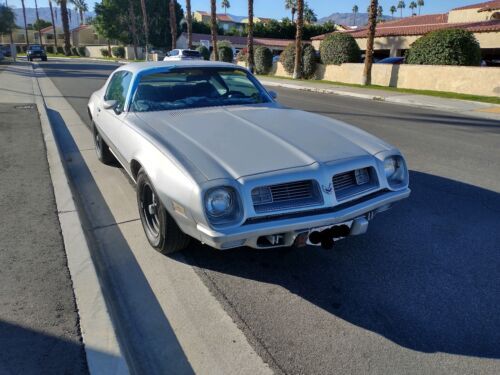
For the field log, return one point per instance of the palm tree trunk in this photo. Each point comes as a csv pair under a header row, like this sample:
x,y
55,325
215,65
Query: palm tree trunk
x,y
109,48
293,14
132,26
251,60
81,16
213,27
173,24
38,23
25,25
189,24
372,22
145,22
297,70
65,23
53,24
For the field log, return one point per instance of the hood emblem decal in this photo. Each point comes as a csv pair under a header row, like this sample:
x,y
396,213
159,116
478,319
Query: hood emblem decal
x,y
328,189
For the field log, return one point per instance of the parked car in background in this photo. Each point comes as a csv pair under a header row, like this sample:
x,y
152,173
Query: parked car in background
x,y
183,54
216,158
1,55
36,51
392,60
5,49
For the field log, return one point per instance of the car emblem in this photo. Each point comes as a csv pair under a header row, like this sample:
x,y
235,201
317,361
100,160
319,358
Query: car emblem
x,y
328,189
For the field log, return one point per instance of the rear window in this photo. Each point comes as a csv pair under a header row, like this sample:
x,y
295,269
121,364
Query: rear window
x,y
189,53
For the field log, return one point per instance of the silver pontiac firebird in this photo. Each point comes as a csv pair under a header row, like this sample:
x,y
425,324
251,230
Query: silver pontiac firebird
x,y
216,158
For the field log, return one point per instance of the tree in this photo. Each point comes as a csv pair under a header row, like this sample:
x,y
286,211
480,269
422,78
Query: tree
x,y
189,20
65,22
25,24
173,24
412,6
133,28
420,4
292,6
393,10
81,7
297,71
372,25
250,51
41,24
339,48
213,29
53,24
309,15
38,23
401,6
355,10
7,19
380,12
108,21
226,5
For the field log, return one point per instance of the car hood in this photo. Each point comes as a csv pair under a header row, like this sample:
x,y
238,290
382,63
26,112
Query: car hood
x,y
240,141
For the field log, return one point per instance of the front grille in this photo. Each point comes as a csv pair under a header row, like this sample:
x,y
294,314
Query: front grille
x,y
286,196
354,182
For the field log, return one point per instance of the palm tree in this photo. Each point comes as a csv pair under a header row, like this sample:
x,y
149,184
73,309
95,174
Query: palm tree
x,y
355,10
309,15
189,21
292,6
297,70
250,56
53,24
80,7
173,24
401,6
372,25
65,22
420,4
38,23
380,12
145,25
413,5
213,29
25,25
393,10
225,4
133,28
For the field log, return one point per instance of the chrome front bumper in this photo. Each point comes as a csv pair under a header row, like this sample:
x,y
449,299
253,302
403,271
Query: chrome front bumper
x,y
248,234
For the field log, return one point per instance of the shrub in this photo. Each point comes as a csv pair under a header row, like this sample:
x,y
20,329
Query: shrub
x,y
24,48
67,51
118,52
226,54
74,51
104,52
445,47
309,59
60,50
18,49
339,48
82,51
263,60
204,52
51,49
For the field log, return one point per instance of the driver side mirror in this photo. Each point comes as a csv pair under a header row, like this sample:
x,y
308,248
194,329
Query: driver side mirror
x,y
112,104
273,94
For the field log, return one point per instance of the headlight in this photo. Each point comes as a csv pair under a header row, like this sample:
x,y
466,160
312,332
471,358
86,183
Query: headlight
x,y
222,205
395,171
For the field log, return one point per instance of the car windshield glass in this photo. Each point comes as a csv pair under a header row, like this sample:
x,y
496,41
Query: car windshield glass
x,y
35,48
194,88
189,53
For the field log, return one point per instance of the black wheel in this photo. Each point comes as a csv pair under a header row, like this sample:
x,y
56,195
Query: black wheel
x,y
101,148
44,59
161,230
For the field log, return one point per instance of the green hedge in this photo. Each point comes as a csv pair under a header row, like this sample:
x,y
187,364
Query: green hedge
x,y
309,60
338,49
226,54
104,52
445,47
74,51
118,52
60,50
263,60
205,53
82,51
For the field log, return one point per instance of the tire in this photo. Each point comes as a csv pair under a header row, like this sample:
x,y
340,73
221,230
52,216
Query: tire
x,y
160,228
101,148
44,59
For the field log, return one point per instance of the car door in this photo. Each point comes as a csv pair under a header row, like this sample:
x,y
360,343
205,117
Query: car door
x,y
110,120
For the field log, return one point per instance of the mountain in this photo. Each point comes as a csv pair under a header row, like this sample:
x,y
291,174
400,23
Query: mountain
x,y
44,13
347,19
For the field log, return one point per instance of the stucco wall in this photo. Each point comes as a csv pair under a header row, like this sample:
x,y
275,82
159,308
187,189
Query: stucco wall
x,y
465,80
468,15
95,51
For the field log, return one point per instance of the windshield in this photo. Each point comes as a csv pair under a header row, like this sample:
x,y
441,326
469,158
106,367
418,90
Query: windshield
x,y
194,88
190,53
35,48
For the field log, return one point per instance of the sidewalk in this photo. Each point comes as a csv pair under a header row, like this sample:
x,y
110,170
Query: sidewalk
x,y
477,109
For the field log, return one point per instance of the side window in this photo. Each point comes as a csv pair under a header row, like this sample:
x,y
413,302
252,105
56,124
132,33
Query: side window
x,y
118,88
174,52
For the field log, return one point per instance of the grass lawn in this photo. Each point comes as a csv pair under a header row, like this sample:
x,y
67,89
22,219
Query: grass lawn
x,y
440,94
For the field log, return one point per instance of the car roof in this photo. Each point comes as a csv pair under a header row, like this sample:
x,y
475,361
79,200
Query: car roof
x,y
145,66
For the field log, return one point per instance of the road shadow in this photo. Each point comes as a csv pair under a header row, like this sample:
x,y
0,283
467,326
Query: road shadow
x,y
79,69
425,276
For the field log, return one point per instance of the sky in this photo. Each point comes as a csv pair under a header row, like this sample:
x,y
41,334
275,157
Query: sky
x,y
275,8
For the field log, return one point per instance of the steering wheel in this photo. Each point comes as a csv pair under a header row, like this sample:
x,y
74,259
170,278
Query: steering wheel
x,y
235,94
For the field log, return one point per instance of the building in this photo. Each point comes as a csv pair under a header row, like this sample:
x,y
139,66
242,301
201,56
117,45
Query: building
x,y
393,38
86,35
19,37
48,36
227,21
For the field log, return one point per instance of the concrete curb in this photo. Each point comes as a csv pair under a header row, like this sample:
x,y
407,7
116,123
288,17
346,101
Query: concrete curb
x,y
102,349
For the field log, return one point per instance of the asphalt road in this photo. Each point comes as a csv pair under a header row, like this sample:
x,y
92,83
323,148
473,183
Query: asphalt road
x,y
39,326
418,294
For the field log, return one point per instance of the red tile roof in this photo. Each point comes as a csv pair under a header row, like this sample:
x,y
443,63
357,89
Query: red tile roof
x,y
420,25
224,18
485,4
81,27
242,40
47,29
